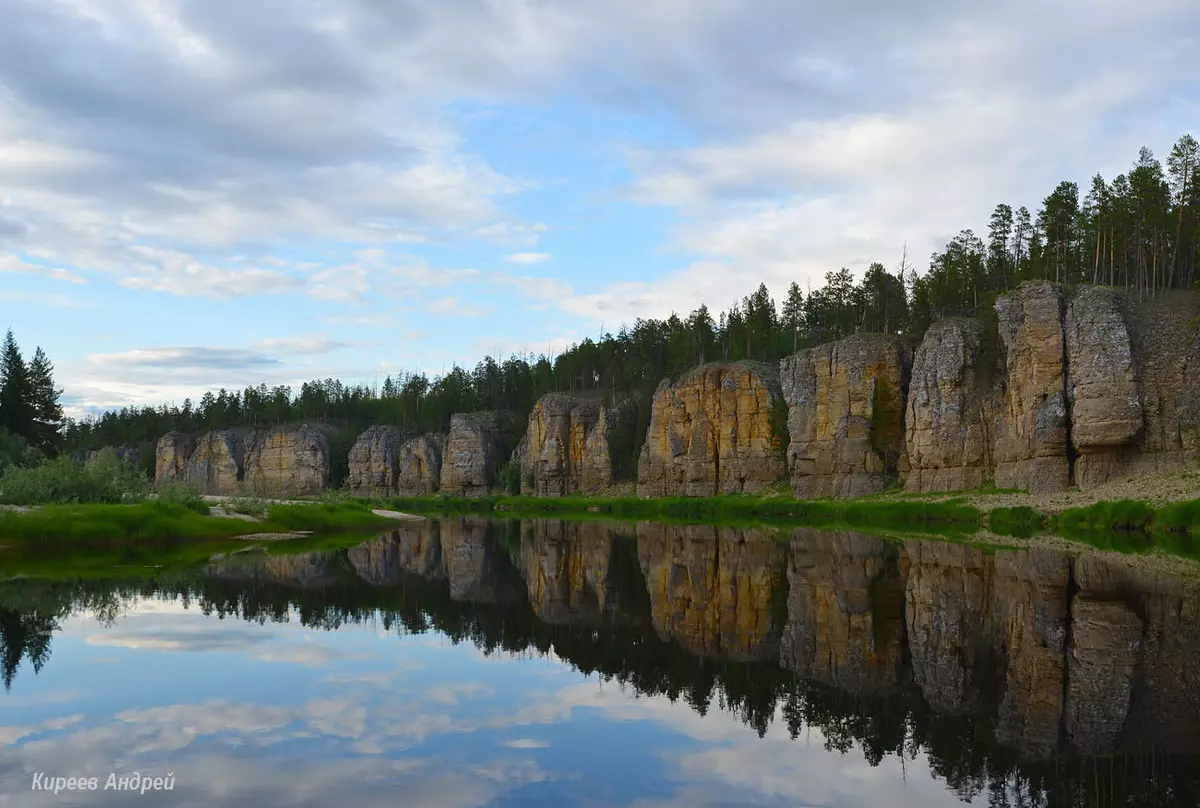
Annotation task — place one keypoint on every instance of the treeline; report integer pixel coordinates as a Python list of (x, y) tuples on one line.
[(31, 418), (1139, 231)]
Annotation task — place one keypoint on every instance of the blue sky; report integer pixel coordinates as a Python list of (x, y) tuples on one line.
[(205, 193)]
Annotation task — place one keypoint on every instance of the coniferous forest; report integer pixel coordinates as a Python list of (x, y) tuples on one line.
[(1139, 230)]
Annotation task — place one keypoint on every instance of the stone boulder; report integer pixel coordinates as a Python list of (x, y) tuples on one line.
[(1032, 431), (845, 416), (711, 433), (288, 461), (171, 455), (419, 465), (554, 453), (950, 412), (374, 462), (475, 449), (215, 464)]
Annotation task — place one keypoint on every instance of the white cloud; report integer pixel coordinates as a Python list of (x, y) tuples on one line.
[(528, 258)]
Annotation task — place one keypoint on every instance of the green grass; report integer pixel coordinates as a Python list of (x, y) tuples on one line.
[(165, 520), (1021, 521), (726, 509), (63, 480)]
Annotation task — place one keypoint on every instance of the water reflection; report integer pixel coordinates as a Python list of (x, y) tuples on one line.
[(1014, 677)]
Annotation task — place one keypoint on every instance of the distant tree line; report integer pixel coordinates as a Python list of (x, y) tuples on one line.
[(31, 418), (1139, 231)]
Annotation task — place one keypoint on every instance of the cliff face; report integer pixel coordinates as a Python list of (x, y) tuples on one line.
[(566, 570), (715, 591), (710, 433), (288, 461), (214, 463), (845, 416), (950, 411), (413, 549), (476, 447), (419, 465), (170, 456), (565, 448), (374, 462)]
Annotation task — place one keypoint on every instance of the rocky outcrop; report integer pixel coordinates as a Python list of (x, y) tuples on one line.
[(374, 462), (950, 412), (477, 567), (845, 416), (288, 461), (564, 448), (307, 570), (215, 463), (171, 455), (419, 465), (476, 447), (131, 455), (413, 550), (714, 590), (845, 611), (711, 433)]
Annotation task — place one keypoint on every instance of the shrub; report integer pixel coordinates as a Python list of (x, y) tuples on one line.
[(183, 496), (64, 480), (510, 478)]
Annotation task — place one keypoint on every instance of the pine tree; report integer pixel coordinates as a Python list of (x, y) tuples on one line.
[(16, 392), (793, 313), (44, 401)]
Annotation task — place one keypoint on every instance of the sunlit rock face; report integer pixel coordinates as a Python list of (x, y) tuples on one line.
[(565, 447), (374, 462), (711, 433), (846, 416), (845, 611), (951, 410), (288, 461), (476, 447), (419, 465), (215, 463), (170, 456), (1032, 433), (718, 592)]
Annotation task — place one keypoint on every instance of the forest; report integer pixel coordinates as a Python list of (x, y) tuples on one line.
[(1140, 230)]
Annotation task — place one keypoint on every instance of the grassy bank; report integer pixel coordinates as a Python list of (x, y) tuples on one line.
[(165, 520), (726, 509), (1123, 525)]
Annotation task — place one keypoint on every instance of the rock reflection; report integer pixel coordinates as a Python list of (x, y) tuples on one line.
[(1029, 675)]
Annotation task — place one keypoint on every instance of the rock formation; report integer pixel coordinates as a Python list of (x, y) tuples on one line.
[(475, 449), (950, 412), (565, 447), (566, 570), (714, 590), (288, 461), (374, 462), (419, 465), (215, 463), (170, 456), (845, 416), (711, 433), (413, 549)]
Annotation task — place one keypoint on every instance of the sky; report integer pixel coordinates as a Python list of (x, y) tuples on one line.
[(198, 194)]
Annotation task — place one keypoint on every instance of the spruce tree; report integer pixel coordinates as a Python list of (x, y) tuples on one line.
[(16, 391), (44, 397)]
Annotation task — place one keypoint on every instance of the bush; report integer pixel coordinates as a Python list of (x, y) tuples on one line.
[(107, 480), (510, 477), (183, 496)]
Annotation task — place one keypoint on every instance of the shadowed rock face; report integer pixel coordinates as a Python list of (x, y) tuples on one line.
[(845, 416), (475, 448), (374, 462), (413, 549), (170, 456), (419, 465), (565, 448), (479, 569), (950, 411), (566, 570), (288, 461), (300, 569), (710, 433)]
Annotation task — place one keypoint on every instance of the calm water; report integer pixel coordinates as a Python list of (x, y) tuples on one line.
[(468, 662)]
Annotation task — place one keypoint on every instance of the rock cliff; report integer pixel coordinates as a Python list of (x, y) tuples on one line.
[(476, 447), (214, 463), (950, 410), (566, 570), (288, 461), (413, 549), (374, 462), (565, 448), (419, 465), (845, 416), (711, 433)]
